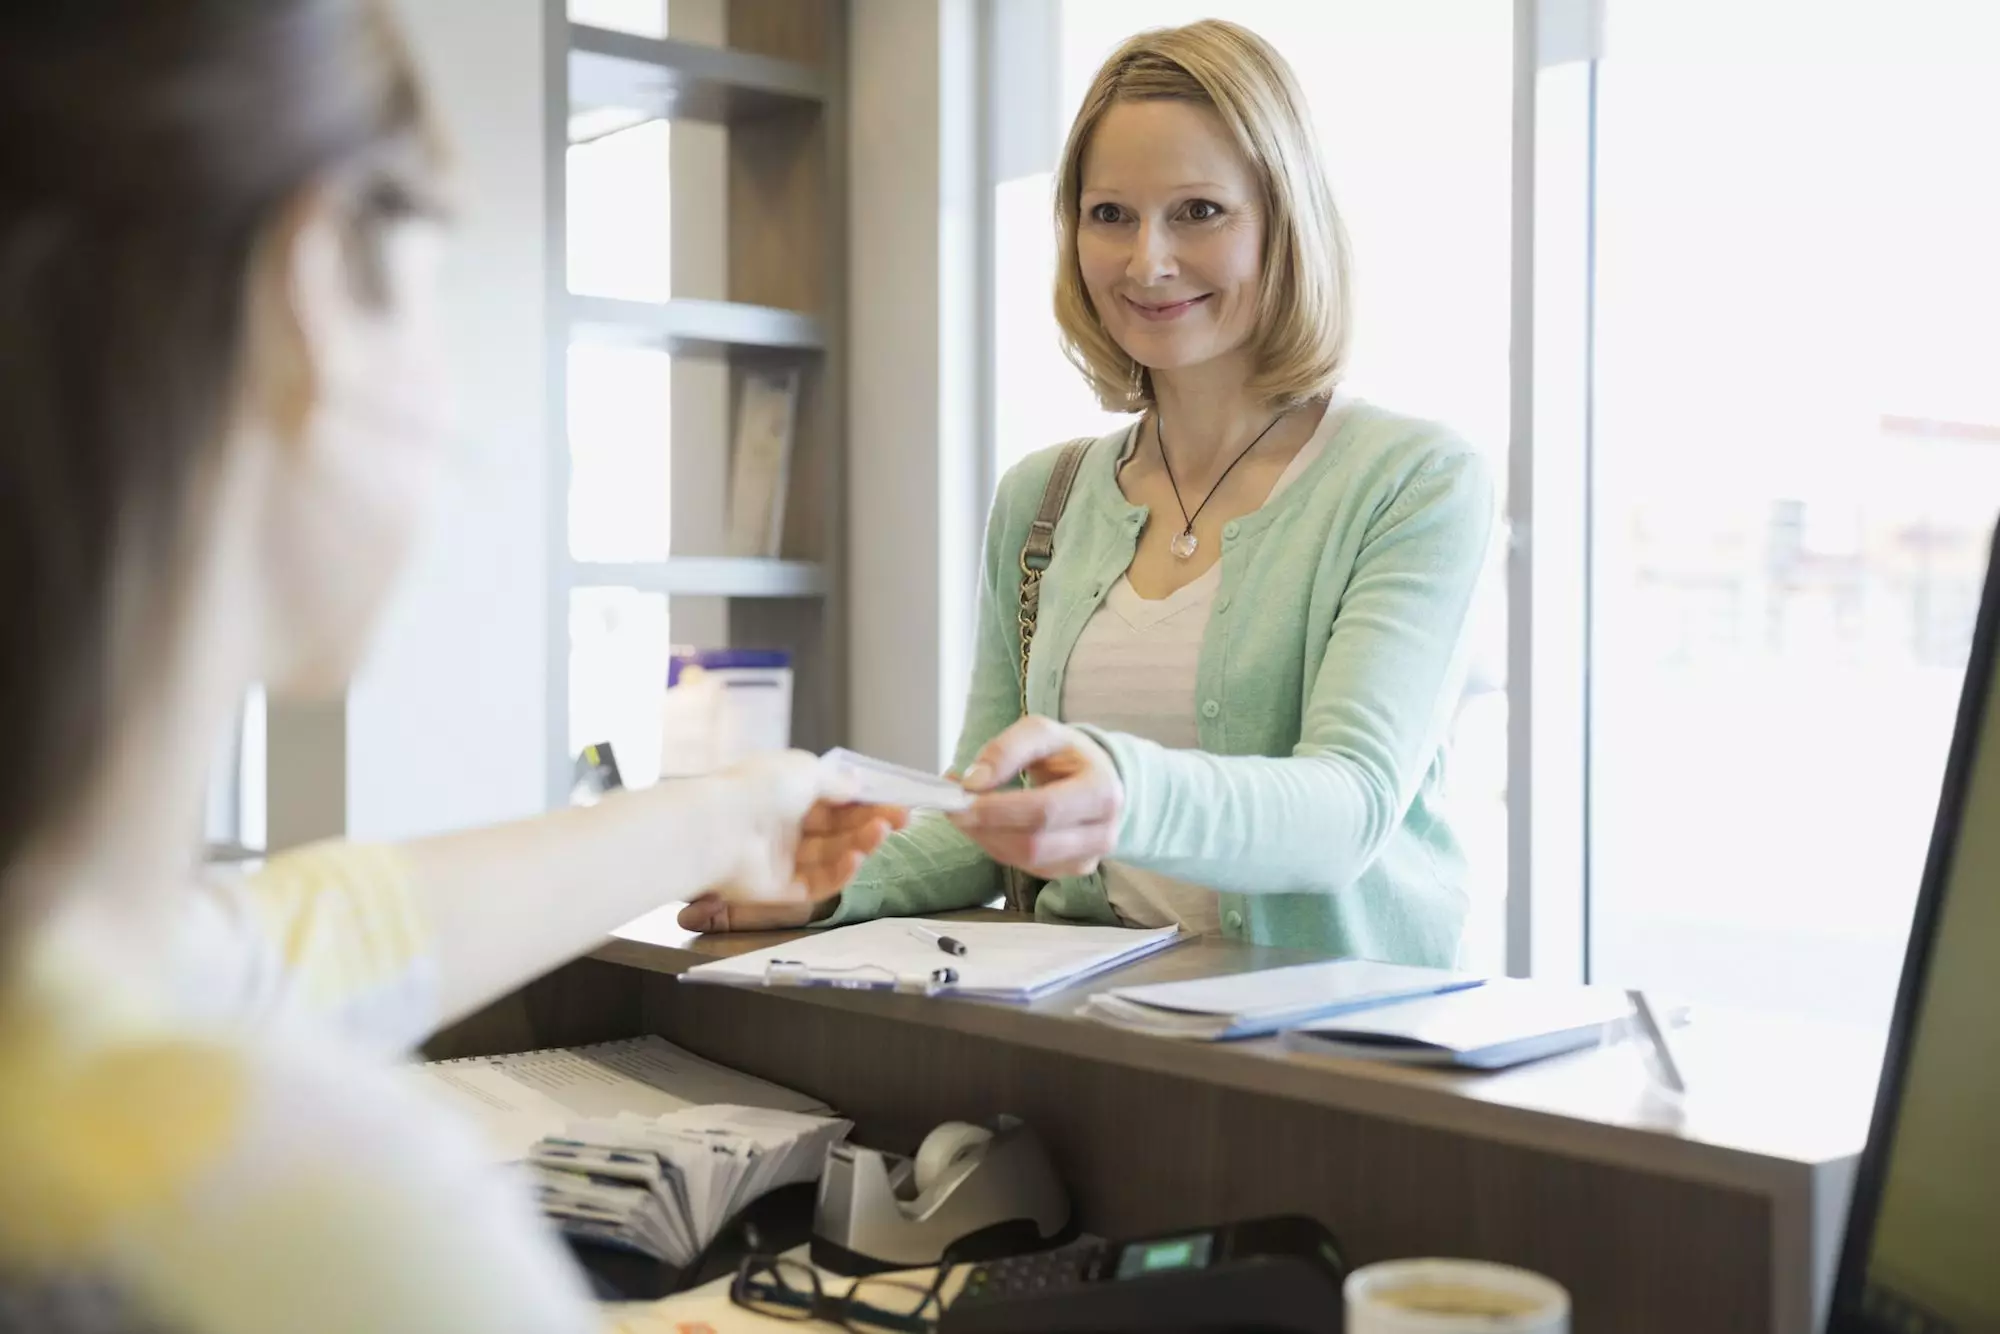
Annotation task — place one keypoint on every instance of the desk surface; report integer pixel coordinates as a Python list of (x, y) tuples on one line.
[(1768, 1097)]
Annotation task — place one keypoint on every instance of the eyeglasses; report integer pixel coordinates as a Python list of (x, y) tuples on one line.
[(786, 1289)]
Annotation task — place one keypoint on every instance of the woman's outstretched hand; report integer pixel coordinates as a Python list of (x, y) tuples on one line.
[(1066, 821)]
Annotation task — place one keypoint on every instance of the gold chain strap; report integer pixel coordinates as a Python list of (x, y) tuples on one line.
[(1022, 888), (1031, 598)]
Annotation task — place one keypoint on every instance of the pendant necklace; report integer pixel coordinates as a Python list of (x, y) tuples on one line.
[(1184, 543)]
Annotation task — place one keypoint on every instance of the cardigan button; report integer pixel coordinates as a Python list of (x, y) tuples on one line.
[(1233, 920), (1209, 708), (1231, 529)]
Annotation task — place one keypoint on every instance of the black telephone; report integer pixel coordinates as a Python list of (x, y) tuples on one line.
[(1276, 1274)]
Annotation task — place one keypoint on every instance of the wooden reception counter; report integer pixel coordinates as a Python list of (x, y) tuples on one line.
[(1718, 1215)]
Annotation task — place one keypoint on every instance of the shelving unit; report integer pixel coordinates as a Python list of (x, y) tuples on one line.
[(657, 78), (695, 328), (776, 86), (707, 576)]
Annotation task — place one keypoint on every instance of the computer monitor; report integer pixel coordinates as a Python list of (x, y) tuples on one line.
[(1922, 1251)]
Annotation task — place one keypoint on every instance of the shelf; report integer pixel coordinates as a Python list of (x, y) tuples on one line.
[(707, 576), (777, 84), (684, 80), (707, 328)]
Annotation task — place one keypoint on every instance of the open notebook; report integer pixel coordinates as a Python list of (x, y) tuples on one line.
[(1010, 961), (519, 1099), (1248, 1005), (1507, 1022)]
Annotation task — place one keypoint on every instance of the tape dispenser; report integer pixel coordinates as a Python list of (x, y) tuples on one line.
[(977, 1191)]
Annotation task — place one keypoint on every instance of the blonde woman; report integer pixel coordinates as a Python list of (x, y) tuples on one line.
[(1249, 642), (218, 427)]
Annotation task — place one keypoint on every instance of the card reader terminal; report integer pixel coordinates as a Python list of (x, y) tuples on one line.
[(1279, 1274)]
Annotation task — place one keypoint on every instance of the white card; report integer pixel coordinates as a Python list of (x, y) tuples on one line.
[(861, 778)]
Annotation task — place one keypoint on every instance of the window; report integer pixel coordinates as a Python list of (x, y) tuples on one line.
[(646, 18), (617, 675), (1772, 313), (1797, 464), (1422, 181), (619, 211), (618, 222)]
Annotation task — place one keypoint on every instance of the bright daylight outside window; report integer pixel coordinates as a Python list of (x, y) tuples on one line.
[(1413, 107), (1797, 467), (620, 245)]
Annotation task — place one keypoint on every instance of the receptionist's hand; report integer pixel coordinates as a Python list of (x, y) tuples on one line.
[(712, 912), (1066, 822), (795, 848)]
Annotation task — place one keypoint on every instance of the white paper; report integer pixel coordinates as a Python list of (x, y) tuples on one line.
[(691, 1172), (519, 1098), (1507, 1010), (1505, 1014), (1262, 1001), (848, 776), (1002, 960), (510, 1115)]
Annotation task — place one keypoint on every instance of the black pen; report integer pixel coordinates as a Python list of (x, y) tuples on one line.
[(943, 942)]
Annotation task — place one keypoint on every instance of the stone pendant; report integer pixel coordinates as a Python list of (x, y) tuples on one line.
[(1184, 544)]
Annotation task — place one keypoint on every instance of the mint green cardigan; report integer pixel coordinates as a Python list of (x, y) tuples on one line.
[(1328, 679)]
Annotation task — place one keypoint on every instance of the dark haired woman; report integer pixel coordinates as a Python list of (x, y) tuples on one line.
[(218, 426)]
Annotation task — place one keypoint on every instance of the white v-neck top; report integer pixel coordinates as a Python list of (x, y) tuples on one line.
[(1133, 670)]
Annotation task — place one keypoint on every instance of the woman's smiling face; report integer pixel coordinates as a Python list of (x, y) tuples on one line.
[(1170, 237)]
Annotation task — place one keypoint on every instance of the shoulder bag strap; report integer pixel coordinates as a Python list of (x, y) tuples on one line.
[(1036, 553), (1040, 548)]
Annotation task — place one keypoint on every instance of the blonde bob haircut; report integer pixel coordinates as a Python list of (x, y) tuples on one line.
[(1299, 348)]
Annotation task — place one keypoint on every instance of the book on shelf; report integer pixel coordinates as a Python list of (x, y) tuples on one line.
[(766, 419)]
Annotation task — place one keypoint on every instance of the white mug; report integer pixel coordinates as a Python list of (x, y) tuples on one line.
[(1453, 1297)]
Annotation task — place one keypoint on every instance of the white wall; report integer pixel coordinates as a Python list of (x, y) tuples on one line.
[(913, 417), (445, 727)]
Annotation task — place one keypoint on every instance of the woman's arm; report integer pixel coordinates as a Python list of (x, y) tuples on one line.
[(388, 942), (505, 905), (1308, 822), (1380, 709)]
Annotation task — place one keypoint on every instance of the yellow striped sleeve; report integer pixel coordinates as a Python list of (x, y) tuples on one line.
[(92, 1142), (345, 920)]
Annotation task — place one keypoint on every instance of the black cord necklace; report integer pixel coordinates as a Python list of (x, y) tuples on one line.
[(1184, 544)]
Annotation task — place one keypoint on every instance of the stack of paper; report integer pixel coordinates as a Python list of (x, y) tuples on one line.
[(1507, 1022), (666, 1186), (1245, 1005), (1009, 961), (519, 1098)]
